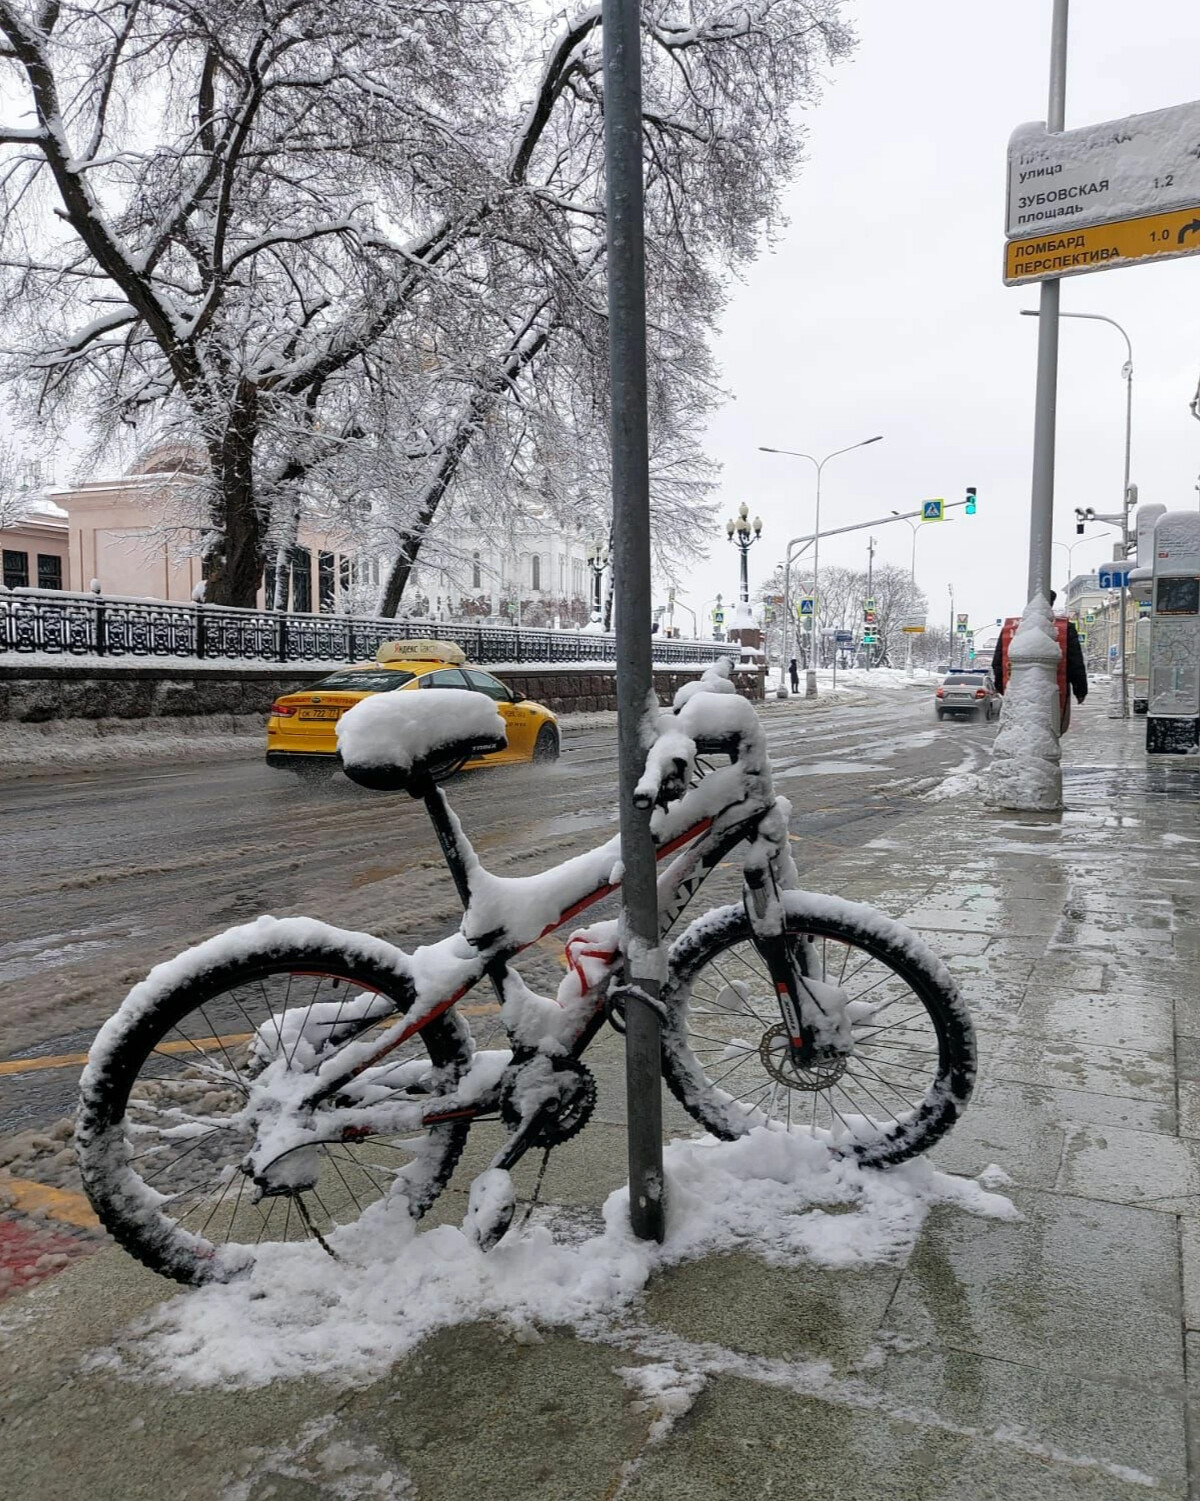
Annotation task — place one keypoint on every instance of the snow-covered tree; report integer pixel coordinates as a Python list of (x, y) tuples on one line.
[(354, 252)]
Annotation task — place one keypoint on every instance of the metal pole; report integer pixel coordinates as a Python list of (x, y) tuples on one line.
[(816, 634), (1121, 652), (870, 580), (1041, 517), (787, 622), (631, 564)]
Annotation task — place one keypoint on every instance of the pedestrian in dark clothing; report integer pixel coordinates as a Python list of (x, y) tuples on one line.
[(794, 674), (1077, 679)]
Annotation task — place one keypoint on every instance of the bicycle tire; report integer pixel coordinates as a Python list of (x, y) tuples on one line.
[(858, 930), (111, 1108)]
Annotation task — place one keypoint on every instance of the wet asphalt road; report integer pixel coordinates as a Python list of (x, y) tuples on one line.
[(105, 874)]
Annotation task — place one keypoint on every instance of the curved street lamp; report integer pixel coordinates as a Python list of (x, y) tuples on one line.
[(819, 465), (1122, 711)]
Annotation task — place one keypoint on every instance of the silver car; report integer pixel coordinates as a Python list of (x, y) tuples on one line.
[(972, 694)]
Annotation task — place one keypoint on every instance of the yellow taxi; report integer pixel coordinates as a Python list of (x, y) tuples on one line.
[(301, 735)]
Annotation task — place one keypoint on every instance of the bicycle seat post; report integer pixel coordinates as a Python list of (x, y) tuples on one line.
[(449, 838)]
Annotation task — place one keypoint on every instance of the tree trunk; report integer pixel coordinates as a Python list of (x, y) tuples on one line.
[(525, 349), (233, 569)]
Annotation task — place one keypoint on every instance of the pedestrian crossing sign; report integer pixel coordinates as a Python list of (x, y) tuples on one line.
[(805, 607), (932, 510)]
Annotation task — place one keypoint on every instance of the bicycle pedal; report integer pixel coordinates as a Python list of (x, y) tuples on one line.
[(490, 1207)]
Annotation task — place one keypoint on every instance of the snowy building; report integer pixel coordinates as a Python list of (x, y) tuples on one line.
[(33, 546), (132, 535), (537, 573)]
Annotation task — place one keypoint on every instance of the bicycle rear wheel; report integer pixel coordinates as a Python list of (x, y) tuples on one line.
[(725, 1050), (160, 1133)]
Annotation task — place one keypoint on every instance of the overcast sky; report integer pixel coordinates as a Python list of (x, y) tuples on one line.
[(882, 310)]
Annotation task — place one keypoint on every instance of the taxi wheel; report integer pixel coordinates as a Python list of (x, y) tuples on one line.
[(545, 747)]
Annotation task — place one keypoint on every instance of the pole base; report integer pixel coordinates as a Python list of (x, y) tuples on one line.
[(810, 683)]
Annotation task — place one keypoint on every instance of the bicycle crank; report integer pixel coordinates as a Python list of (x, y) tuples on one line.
[(777, 1056), (546, 1100)]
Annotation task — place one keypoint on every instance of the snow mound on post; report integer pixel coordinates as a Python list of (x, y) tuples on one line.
[(401, 729), (1026, 774)]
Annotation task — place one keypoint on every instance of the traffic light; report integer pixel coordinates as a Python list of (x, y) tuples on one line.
[(1082, 517), (971, 504)]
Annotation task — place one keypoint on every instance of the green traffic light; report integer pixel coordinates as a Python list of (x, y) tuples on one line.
[(971, 505)]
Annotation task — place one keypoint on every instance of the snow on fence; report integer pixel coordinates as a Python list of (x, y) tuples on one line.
[(60, 623)]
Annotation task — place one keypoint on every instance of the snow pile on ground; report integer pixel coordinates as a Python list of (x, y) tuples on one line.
[(784, 1196), (57, 745), (1026, 773)]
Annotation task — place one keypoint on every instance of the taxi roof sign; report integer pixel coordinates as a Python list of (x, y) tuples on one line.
[(420, 649)]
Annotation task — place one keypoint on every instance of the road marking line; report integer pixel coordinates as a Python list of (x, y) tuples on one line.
[(199, 1044), (61, 1204)]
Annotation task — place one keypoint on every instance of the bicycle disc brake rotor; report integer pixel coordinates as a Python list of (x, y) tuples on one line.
[(775, 1054), (558, 1093)]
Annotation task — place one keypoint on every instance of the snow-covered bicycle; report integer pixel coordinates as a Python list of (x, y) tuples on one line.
[(287, 1079)]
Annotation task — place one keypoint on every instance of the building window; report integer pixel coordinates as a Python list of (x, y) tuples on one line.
[(562, 575), (535, 572), (301, 560), (325, 583), (49, 571), (344, 574), (476, 573), (577, 578), (16, 569)]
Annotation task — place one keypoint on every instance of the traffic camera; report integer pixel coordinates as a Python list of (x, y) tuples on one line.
[(1082, 517)]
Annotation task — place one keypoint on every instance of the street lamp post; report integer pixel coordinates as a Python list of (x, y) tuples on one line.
[(738, 530), (692, 613), (597, 559), (819, 465), (1069, 548), (1127, 375)]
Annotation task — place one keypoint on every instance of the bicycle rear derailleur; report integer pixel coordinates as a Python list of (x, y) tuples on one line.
[(546, 1099)]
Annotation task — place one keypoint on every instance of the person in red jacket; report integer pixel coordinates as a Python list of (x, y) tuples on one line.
[(1077, 678)]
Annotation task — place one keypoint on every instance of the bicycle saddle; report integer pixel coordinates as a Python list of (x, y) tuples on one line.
[(399, 742)]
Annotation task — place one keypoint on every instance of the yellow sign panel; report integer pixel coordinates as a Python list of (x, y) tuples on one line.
[(1038, 257)]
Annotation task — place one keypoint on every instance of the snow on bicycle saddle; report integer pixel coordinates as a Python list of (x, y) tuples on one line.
[(393, 741)]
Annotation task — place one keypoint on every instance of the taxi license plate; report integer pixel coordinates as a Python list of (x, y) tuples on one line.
[(320, 714)]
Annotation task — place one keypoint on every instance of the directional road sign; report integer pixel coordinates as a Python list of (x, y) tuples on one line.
[(1102, 196), (844, 638), (1113, 575), (933, 510)]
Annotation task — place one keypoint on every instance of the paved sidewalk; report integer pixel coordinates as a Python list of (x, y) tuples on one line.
[(1051, 1356)]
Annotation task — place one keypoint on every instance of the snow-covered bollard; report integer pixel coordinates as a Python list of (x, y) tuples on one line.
[(1026, 773)]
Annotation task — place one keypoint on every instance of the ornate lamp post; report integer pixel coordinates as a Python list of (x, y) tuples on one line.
[(739, 532), (597, 557)]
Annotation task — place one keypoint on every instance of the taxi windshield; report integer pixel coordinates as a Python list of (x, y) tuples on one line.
[(366, 680)]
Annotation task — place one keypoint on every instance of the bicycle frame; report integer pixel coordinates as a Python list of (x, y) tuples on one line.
[(700, 831)]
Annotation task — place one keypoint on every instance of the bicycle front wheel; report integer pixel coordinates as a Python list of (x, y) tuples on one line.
[(726, 1055), (161, 1133)]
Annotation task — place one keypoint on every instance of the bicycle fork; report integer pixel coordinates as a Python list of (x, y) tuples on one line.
[(814, 1013)]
